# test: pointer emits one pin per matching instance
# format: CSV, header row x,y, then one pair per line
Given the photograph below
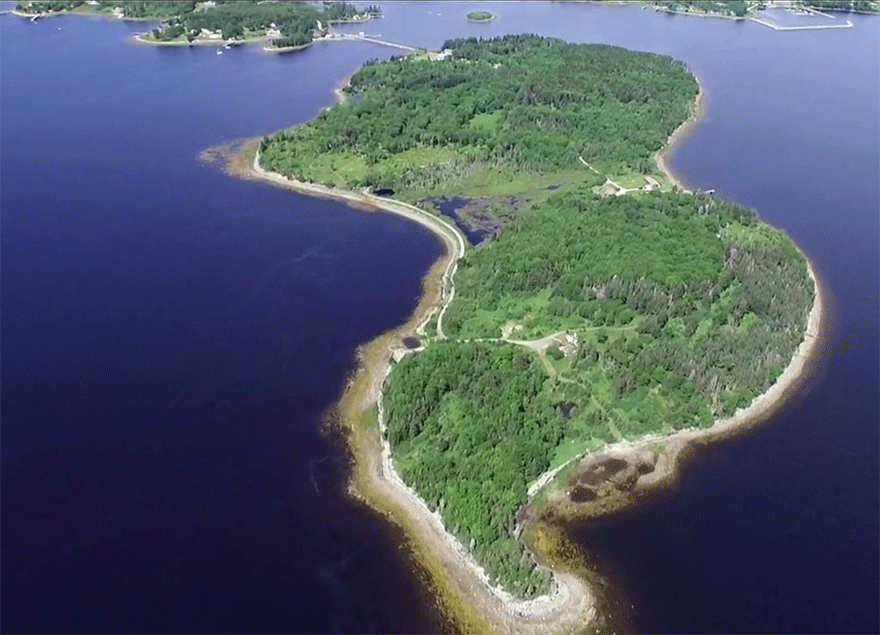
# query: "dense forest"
x,y
471,424
670,309
494,108
679,309
693,327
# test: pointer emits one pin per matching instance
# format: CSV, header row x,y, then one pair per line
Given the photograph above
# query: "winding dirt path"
x,y
537,345
620,189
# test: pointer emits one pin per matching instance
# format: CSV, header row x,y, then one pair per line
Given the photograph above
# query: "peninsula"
x,y
611,310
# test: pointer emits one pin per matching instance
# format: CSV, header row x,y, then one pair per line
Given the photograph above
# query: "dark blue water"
x,y
172,336
777,531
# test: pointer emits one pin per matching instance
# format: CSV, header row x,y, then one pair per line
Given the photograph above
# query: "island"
x,y
558,369
289,25
480,16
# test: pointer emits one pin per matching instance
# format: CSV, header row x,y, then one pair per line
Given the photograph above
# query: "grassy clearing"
x,y
335,168
87,9
630,180
487,120
571,448
490,182
757,235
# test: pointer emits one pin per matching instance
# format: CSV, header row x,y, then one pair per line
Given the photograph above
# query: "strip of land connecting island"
x,y
610,310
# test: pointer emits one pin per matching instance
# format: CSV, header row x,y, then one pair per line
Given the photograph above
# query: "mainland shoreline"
x,y
81,12
139,39
461,584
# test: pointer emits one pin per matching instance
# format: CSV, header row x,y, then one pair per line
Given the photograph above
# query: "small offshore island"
x,y
480,16
557,370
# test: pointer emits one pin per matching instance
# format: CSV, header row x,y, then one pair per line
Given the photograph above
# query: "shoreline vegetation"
x,y
82,12
466,591
144,38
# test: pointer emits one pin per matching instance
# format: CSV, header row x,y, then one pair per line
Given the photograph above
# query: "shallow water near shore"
x,y
172,338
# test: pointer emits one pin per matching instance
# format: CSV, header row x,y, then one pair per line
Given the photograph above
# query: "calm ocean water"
x,y
171,337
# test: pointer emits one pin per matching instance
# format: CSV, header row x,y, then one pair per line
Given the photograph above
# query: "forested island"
x,y
287,24
609,305
480,16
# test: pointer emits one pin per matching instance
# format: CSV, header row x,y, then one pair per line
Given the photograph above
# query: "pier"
x,y
375,39
810,27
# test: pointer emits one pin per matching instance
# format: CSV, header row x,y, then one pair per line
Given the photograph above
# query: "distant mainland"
x,y
753,9
287,25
